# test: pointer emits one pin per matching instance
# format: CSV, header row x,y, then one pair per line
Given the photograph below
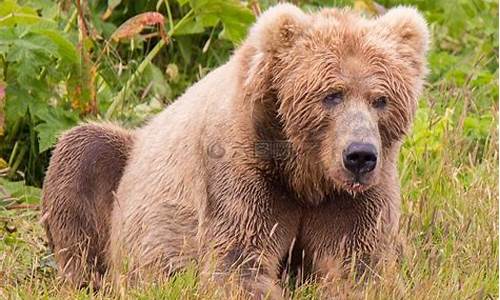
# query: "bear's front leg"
x,y
246,232
240,272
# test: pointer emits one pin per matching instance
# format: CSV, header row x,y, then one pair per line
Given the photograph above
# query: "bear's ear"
x,y
277,28
408,27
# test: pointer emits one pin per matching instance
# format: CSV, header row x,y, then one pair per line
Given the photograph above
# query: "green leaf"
x,y
10,6
46,8
29,47
20,191
7,37
12,14
441,62
55,120
23,19
29,50
236,20
159,85
182,2
208,20
32,52
234,30
16,102
66,50
234,16
478,127
190,26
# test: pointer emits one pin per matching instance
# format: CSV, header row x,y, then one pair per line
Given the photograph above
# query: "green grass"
x,y
449,178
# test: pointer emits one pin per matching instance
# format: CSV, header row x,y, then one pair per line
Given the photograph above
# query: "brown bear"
x,y
287,151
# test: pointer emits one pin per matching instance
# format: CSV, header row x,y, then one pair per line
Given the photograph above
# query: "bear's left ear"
x,y
408,27
277,28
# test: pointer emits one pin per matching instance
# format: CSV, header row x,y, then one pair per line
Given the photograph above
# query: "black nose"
x,y
360,158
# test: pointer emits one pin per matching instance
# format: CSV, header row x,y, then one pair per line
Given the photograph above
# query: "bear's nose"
x,y
360,158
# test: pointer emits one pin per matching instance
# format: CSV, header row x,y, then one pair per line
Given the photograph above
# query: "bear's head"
x,y
342,88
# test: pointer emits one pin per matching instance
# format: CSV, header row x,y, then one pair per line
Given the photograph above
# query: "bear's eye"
x,y
380,102
333,99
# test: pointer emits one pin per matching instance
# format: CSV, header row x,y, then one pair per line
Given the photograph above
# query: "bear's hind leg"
x,y
83,174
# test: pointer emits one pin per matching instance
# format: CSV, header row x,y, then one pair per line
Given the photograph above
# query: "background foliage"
x,y
62,62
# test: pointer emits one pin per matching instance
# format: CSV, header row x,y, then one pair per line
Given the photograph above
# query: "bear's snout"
x,y
360,158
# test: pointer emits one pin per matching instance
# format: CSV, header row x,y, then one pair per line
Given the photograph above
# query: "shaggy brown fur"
x,y
85,170
249,165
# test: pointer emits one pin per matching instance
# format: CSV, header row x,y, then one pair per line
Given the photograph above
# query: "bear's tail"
x,y
78,193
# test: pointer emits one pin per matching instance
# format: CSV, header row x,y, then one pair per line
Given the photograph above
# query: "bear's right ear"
x,y
277,28
275,31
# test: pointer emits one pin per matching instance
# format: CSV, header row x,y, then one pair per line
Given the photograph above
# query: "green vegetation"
x,y
56,70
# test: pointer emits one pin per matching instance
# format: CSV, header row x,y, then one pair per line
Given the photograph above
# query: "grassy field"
x,y
448,167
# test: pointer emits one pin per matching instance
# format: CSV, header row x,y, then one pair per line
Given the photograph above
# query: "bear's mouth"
x,y
356,184
350,183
